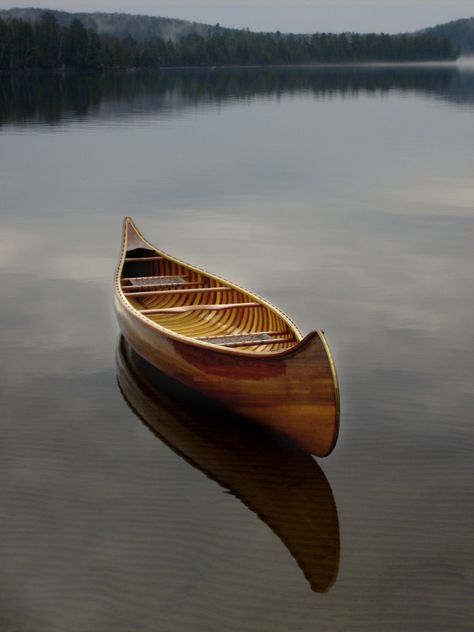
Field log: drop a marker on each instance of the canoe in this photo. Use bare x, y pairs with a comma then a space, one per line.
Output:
282, 484
225, 341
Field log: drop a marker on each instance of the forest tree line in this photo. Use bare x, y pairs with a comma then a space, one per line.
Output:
47, 45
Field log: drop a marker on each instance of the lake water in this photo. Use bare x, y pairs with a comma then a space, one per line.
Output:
345, 196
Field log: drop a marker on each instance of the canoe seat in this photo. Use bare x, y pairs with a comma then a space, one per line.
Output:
157, 280
241, 338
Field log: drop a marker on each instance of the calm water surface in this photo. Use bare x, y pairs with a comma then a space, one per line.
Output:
343, 195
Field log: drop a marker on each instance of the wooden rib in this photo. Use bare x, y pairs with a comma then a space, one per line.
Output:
196, 308
178, 291
134, 259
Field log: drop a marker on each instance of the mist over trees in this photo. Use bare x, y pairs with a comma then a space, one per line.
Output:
459, 32
47, 45
140, 27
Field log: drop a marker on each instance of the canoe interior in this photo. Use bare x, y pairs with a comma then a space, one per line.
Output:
198, 305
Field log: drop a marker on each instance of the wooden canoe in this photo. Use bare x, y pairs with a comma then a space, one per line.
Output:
216, 337
280, 483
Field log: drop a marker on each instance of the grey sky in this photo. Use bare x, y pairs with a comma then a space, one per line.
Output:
285, 15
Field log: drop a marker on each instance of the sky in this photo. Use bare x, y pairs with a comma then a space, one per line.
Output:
308, 16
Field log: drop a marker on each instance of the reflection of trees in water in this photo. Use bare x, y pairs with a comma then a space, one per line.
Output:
52, 98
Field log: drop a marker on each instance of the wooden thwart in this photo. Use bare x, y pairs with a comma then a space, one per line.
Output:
135, 259
197, 308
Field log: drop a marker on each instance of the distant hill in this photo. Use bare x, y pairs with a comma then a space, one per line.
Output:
140, 27
144, 27
460, 32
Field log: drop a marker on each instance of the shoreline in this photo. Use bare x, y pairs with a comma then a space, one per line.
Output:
455, 63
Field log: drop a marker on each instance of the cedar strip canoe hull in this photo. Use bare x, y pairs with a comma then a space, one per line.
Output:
293, 391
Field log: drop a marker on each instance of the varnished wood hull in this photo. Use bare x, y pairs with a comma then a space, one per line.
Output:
293, 390
282, 484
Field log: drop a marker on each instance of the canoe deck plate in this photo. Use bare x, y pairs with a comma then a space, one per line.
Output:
225, 340
161, 280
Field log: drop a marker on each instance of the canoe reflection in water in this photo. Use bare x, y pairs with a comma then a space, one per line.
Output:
280, 482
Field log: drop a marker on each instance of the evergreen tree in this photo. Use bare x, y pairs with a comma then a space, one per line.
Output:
4, 45
76, 45
47, 47
94, 50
